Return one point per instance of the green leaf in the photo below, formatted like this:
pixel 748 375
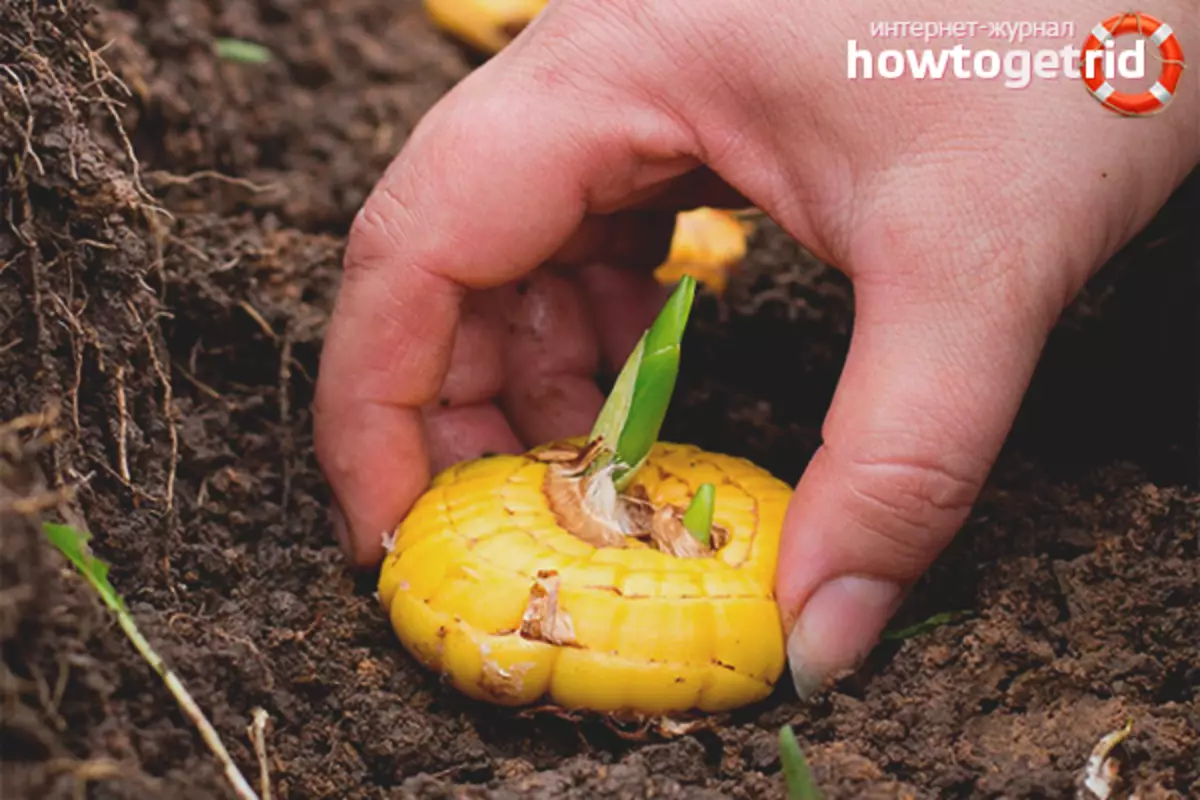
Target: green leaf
pixel 799 779
pixel 936 621
pixel 698 518
pixel 73 544
pixel 634 412
pixel 616 408
pixel 243 51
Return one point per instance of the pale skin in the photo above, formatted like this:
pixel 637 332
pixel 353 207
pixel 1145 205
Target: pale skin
pixel 503 259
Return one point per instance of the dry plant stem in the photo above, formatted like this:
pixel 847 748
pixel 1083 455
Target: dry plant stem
pixel 122 430
pixel 240 786
pixel 168 407
pixel 257 731
pixel 592 510
pixel 211 738
pixel 162 178
pixel 288 445
pixel 73 543
pixel 29 151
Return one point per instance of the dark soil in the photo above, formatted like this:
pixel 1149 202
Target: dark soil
pixel 174 319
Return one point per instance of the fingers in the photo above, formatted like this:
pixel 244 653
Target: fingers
pixel 463 422
pixel 931 385
pixel 492 183
pixel 550 358
pixel 461 434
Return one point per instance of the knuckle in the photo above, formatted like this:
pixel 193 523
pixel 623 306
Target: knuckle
pixel 374 233
pixel 604 48
pixel 914 504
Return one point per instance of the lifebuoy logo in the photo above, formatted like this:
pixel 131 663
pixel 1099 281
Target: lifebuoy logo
pixel 1097 63
pixel 1100 47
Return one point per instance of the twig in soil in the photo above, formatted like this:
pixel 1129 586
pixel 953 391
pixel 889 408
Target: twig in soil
pixel 285 377
pixel 29 151
pixel 258 318
pixel 168 409
pixel 122 427
pixel 77 382
pixel 257 731
pixel 95 62
pixel 191 248
pixel 72 543
pixel 163 178
pixel 96 769
pixel 199 384
pixel 285 419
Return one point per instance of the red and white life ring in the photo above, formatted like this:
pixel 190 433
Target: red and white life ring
pixel 1157 96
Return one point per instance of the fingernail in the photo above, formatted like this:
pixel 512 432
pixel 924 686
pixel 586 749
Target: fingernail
pixel 837 629
pixel 341 529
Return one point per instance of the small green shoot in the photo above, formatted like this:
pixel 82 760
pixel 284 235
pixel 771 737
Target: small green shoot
pixel 242 51
pixel 698 518
pixel 796 774
pixel 72 543
pixel 633 415
pixel 925 626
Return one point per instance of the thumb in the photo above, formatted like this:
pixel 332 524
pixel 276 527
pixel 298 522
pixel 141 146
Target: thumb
pixel 932 382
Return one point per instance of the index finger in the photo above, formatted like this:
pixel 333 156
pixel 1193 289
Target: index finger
pixel 493 181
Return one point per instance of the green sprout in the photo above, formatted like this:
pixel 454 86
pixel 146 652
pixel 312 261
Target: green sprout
pixel 796 774
pixel 242 51
pixel 72 543
pixel 633 415
pixel 925 626
pixel 698 518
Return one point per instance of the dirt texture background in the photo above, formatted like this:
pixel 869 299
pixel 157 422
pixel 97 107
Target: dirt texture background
pixel 174 318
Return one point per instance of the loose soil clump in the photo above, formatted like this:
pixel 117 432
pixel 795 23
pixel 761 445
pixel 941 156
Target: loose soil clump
pixel 169 254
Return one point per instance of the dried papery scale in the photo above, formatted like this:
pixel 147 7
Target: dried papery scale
pixel 613 574
pixel 588 506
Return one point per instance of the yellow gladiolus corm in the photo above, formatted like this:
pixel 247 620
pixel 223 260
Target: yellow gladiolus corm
pixel 567 575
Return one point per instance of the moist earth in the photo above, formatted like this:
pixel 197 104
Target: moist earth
pixel 169 255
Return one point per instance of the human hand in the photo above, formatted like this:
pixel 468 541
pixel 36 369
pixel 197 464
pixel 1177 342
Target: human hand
pixel 966 214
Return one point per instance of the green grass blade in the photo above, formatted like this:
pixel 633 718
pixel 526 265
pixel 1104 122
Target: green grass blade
pixel 925 626
pixel 72 543
pixel 242 51
pixel 799 779
pixel 698 518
